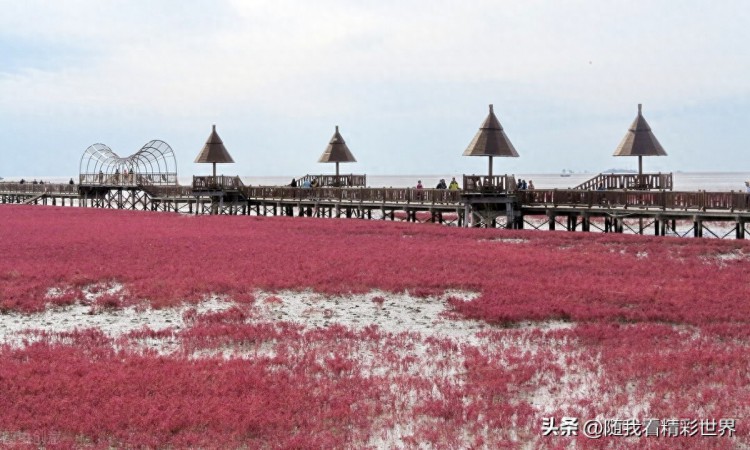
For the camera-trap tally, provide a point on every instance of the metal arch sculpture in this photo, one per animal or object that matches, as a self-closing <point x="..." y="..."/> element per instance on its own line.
<point x="154" y="164"/>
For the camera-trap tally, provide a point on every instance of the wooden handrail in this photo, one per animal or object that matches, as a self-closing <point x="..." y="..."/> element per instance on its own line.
<point x="30" y="188"/>
<point x="646" y="181"/>
<point x="219" y="182"/>
<point x="369" y="195"/>
<point x="349" y="180"/>
<point x="484" y="183"/>
<point x="131" y="179"/>
<point x="664" y="199"/>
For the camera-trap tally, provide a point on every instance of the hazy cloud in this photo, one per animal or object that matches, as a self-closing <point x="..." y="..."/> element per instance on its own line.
<point x="573" y="68"/>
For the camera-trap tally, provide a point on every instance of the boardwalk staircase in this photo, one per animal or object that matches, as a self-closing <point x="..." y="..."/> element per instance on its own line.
<point x="34" y="199"/>
<point x="644" y="182"/>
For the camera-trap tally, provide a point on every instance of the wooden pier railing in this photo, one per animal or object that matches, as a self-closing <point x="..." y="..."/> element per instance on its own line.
<point x="537" y="198"/>
<point x="219" y="182"/>
<point x="484" y="183"/>
<point x="665" y="200"/>
<point x="131" y="179"/>
<point x="47" y="188"/>
<point x="351" y="195"/>
<point x="647" y="181"/>
<point x="350" y="180"/>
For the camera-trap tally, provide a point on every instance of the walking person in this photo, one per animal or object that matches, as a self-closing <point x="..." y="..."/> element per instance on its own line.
<point x="419" y="190"/>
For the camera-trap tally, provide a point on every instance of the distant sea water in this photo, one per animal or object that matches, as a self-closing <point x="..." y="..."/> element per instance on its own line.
<point x="683" y="181"/>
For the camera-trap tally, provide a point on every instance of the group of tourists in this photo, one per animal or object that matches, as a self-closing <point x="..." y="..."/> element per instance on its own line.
<point x="522" y="185"/>
<point x="307" y="184"/>
<point x="453" y="186"/>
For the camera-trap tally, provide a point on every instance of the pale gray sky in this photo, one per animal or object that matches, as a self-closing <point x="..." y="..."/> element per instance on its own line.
<point x="407" y="81"/>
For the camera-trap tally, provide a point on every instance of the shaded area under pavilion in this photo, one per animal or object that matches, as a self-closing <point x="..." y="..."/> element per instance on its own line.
<point x="490" y="141"/>
<point x="336" y="152"/>
<point x="638" y="141"/>
<point x="221" y="189"/>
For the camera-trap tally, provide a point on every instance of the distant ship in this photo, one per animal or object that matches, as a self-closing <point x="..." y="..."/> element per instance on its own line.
<point x="566" y="173"/>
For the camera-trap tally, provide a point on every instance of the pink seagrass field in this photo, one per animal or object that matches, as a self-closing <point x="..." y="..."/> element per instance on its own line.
<point x="129" y="329"/>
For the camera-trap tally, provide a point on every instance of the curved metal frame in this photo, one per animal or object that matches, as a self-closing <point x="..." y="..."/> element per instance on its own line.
<point x="153" y="164"/>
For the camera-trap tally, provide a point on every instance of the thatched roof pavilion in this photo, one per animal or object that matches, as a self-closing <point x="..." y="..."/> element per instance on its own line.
<point x="214" y="151"/>
<point x="640" y="141"/>
<point x="491" y="141"/>
<point x="337" y="151"/>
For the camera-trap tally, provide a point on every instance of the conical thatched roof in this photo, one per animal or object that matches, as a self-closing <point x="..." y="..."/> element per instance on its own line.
<point x="639" y="140"/>
<point x="214" y="150"/>
<point x="337" y="151"/>
<point x="491" y="140"/>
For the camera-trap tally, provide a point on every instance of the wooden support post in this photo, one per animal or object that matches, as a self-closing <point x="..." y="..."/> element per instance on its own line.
<point x="551" y="222"/>
<point x="510" y="216"/>
<point x="657" y="225"/>
<point x="740" y="229"/>
<point x="697" y="227"/>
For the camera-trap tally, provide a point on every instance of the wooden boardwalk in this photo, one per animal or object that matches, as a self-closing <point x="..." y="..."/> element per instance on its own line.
<point x="616" y="210"/>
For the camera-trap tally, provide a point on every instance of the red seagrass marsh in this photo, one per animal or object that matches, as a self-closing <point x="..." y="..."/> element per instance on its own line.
<point x="129" y="329"/>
